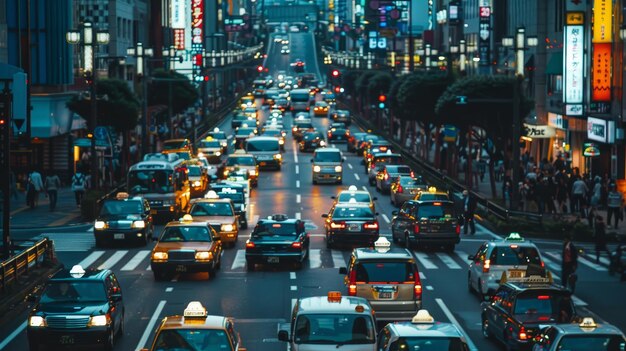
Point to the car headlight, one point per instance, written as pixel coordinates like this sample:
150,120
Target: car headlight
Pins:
227,228
252,172
217,153
138,224
224,144
322,143
36,321
100,225
197,183
204,255
226,172
159,256
317,169
281,141
338,168
99,321
278,156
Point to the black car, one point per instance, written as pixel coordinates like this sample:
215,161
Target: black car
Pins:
521,306
426,223
240,119
237,193
277,239
341,116
77,307
311,141
123,219
338,135
351,223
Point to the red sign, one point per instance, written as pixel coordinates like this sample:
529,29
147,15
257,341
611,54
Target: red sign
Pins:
197,21
179,38
485,11
601,72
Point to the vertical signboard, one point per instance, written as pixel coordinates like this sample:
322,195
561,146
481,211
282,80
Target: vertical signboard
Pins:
601,72
602,19
197,21
484,32
178,18
573,64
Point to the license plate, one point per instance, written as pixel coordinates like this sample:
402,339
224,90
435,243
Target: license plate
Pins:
354,227
272,259
262,163
153,211
434,228
181,268
66,339
384,295
118,236
518,273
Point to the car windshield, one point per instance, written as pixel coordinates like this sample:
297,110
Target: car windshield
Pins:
194,171
272,132
358,197
596,342
210,144
433,197
327,157
388,160
244,161
192,340
304,125
211,209
73,291
174,144
113,207
218,135
245,132
434,211
150,181
544,306
236,197
411,182
262,145
311,136
399,170
385,272
332,329
275,229
353,212
180,233
338,131
428,344
514,255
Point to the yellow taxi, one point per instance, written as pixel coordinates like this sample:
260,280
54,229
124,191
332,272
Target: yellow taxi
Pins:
186,246
219,213
196,330
172,146
246,101
432,194
240,160
359,196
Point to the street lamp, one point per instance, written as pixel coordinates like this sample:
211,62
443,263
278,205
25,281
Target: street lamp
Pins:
520,43
141,54
462,58
89,39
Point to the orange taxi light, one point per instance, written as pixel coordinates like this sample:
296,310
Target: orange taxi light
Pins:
334,296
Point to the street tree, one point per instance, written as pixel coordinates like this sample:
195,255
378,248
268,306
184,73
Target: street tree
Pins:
361,84
170,87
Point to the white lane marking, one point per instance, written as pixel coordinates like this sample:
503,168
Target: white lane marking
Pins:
386,218
429,287
315,258
463,256
425,261
297,169
150,326
578,302
116,257
295,154
298,215
605,260
293,303
422,276
453,320
90,230
254,220
298,199
149,268
136,260
349,166
553,266
240,259
448,261
338,260
292,275
12,336
89,260
364,188
294,288
592,265
297,183
357,176
482,229
169,289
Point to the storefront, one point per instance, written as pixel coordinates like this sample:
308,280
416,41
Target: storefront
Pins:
599,150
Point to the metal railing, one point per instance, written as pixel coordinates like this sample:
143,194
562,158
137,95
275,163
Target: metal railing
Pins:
24,262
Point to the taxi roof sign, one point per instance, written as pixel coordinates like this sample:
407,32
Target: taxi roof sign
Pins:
216,129
432,189
587,323
423,317
186,218
382,244
195,309
514,237
240,151
528,279
352,188
334,296
211,194
77,271
122,195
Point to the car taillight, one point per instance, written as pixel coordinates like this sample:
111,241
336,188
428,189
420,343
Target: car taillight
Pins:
337,225
412,174
400,188
352,283
486,266
386,176
308,108
458,229
522,334
250,245
417,288
296,245
416,228
371,225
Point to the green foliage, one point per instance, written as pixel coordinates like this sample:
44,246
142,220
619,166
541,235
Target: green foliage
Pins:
184,94
362,82
349,81
117,106
418,95
393,94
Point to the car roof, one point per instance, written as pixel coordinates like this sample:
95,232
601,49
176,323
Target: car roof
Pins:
90,274
180,322
576,329
394,253
435,329
353,204
520,287
327,149
346,191
428,202
187,224
321,304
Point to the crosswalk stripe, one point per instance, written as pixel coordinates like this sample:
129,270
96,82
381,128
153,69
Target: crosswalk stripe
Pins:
592,265
553,266
425,261
448,261
338,260
70,242
89,260
240,260
136,260
111,261
315,258
463,256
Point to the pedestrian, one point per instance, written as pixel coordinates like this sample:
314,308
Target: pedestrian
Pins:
561,195
569,263
35,184
579,190
469,208
592,215
78,186
13,185
614,205
600,237
52,185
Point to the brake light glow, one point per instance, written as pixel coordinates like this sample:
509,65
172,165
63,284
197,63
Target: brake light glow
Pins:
386,176
352,283
458,229
486,266
416,228
250,245
371,225
417,288
543,297
296,245
412,174
400,189
522,334
337,225
436,203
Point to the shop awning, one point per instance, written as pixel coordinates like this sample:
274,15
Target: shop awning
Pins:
555,64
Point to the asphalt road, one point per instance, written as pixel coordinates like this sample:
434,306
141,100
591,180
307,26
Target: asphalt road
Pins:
260,300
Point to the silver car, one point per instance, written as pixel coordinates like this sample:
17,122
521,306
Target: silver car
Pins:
327,165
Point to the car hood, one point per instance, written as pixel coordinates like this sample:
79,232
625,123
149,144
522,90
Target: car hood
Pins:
65,308
183,245
119,217
215,219
349,347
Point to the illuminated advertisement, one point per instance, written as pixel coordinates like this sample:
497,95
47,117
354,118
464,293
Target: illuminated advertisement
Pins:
573,64
602,19
197,21
179,38
601,72
484,33
178,14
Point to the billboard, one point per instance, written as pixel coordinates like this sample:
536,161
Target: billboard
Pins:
197,21
602,20
601,72
573,64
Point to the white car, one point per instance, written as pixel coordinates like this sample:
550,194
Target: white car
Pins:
284,50
294,29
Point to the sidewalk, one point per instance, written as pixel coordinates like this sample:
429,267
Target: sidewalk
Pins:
66,212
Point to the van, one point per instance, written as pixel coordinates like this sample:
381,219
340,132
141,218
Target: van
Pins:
266,150
327,165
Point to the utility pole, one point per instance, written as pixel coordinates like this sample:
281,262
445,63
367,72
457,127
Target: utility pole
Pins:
515,156
5,154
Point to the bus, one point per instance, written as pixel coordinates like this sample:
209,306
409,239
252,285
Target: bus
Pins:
300,100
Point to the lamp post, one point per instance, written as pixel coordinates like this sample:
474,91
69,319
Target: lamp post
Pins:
89,40
170,55
520,43
141,54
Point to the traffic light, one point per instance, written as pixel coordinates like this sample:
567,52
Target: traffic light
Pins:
335,73
197,60
382,98
259,68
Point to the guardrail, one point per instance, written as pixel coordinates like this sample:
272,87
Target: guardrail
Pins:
24,262
435,176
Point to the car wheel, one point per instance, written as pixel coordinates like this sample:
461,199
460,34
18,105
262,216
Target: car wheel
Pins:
470,288
298,265
407,241
329,245
99,243
120,330
449,248
485,329
109,342
244,225
480,291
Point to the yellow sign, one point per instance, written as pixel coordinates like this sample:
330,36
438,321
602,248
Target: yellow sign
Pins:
573,18
602,21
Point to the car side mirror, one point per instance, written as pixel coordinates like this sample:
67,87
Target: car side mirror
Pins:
377,213
325,215
311,160
283,335
155,238
374,198
471,257
395,213
343,270
333,197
